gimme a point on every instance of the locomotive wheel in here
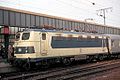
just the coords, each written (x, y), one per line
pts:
(45, 65)
(66, 61)
(15, 63)
(27, 66)
(90, 59)
(100, 57)
(109, 56)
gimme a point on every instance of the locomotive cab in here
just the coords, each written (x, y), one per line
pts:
(24, 45)
(29, 47)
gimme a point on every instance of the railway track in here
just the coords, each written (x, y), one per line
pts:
(71, 72)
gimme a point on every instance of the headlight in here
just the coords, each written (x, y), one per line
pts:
(24, 50)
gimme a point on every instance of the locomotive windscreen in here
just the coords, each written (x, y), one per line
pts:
(74, 42)
(25, 36)
(17, 37)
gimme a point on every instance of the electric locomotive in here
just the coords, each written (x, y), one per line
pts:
(42, 47)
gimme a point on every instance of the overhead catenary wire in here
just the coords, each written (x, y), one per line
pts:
(96, 5)
(34, 7)
(95, 13)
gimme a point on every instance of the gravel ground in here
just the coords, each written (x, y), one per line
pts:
(110, 75)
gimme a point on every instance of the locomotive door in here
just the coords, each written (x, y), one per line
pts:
(104, 44)
(108, 45)
(43, 44)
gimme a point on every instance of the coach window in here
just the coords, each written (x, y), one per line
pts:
(43, 36)
(119, 43)
(112, 43)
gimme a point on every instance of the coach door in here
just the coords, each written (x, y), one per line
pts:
(43, 44)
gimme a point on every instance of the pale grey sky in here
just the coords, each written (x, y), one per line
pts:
(73, 9)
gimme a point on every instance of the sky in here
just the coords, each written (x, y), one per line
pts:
(72, 9)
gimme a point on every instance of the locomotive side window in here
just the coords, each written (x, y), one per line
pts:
(104, 43)
(25, 36)
(17, 37)
(43, 36)
(74, 42)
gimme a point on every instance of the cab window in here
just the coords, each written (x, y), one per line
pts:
(43, 36)
(25, 36)
(17, 37)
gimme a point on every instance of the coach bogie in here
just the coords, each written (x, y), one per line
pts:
(119, 56)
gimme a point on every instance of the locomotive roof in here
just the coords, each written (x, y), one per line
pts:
(74, 32)
(63, 31)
